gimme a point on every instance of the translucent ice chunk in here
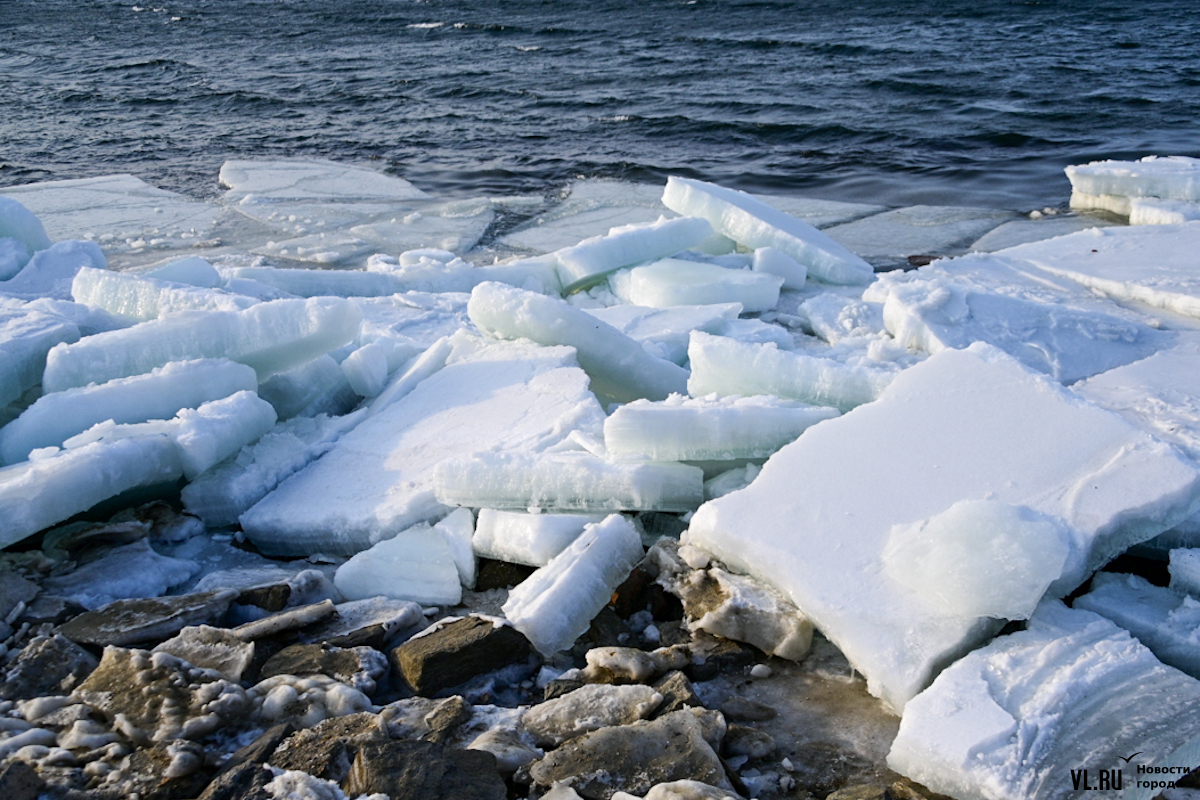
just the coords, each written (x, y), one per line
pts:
(666, 330)
(566, 481)
(416, 564)
(584, 263)
(458, 529)
(159, 394)
(1168, 177)
(530, 539)
(26, 336)
(674, 282)
(270, 337)
(367, 368)
(963, 425)
(1025, 716)
(773, 262)
(751, 222)
(707, 429)
(312, 179)
(918, 230)
(1185, 570)
(728, 367)
(216, 430)
(620, 368)
(1151, 211)
(146, 298)
(318, 387)
(554, 605)
(18, 222)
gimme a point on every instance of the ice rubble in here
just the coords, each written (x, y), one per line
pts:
(676, 282)
(1118, 186)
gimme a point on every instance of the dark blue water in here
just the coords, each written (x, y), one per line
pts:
(961, 101)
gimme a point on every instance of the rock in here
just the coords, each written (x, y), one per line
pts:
(421, 719)
(608, 630)
(633, 758)
(19, 781)
(359, 667)
(741, 740)
(633, 595)
(511, 751)
(155, 697)
(458, 651)
(865, 791)
(677, 691)
(712, 655)
(258, 751)
(290, 620)
(50, 608)
(244, 782)
(47, 665)
(499, 575)
(15, 591)
(328, 749)
(165, 771)
(560, 686)
(688, 790)
(211, 648)
(365, 623)
(588, 709)
(628, 664)
(406, 770)
(742, 709)
(127, 622)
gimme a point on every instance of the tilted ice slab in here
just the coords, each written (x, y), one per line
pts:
(964, 425)
(1025, 716)
(26, 336)
(675, 282)
(318, 387)
(751, 222)
(158, 394)
(665, 331)
(213, 432)
(917, 230)
(707, 429)
(270, 337)
(583, 264)
(566, 481)
(620, 367)
(145, 298)
(523, 538)
(222, 494)
(1166, 622)
(416, 564)
(1155, 265)
(555, 604)
(593, 208)
(728, 367)
(36, 494)
(1168, 177)
(378, 478)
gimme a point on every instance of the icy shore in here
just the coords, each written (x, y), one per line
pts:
(606, 497)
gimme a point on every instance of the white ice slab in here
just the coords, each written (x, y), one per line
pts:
(773, 262)
(1185, 570)
(554, 605)
(1162, 620)
(523, 538)
(1152, 211)
(270, 337)
(1168, 177)
(620, 367)
(566, 481)
(963, 425)
(36, 494)
(378, 479)
(26, 336)
(918, 230)
(159, 394)
(665, 331)
(50, 272)
(213, 432)
(728, 367)
(145, 298)
(583, 264)
(458, 530)
(675, 282)
(1025, 716)
(751, 222)
(416, 564)
(367, 369)
(707, 429)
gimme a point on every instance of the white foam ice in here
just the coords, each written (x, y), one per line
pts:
(676, 282)
(664, 332)
(585, 263)
(1168, 177)
(963, 425)
(1050, 712)
(523, 538)
(555, 604)
(707, 428)
(270, 337)
(145, 298)
(753, 223)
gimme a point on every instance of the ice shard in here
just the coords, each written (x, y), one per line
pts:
(144, 298)
(523, 538)
(583, 264)
(676, 282)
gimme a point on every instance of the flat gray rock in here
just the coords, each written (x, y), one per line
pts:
(149, 620)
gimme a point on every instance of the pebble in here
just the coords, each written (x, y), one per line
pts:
(760, 671)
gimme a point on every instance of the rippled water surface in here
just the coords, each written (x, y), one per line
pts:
(899, 101)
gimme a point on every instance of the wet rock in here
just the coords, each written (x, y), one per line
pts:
(406, 770)
(149, 620)
(688, 790)
(587, 709)
(211, 648)
(633, 594)
(50, 609)
(674, 632)
(742, 709)
(284, 621)
(426, 720)
(633, 758)
(865, 791)
(19, 781)
(328, 749)
(712, 656)
(365, 623)
(47, 665)
(76, 541)
(821, 767)
(258, 751)
(560, 686)
(608, 630)
(359, 667)
(165, 771)
(155, 697)
(458, 651)
(628, 664)
(15, 595)
(677, 691)
(244, 782)
(741, 740)
(510, 749)
(499, 575)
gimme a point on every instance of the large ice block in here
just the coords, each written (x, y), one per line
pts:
(1164, 621)
(728, 367)
(18, 222)
(751, 222)
(158, 394)
(36, 494)
(270, 337)
(50, 272)
(216, 430)
(708, 428)
(566, 481)
(416, 564)
(1072, 704)
(378, 479)
(586, 262)
(555, 604)
(523, 538)
(1168, 177)
(145, 298)
(620, 368)
(676, 282)
(665, 331)
(26, 336)
(969, 424)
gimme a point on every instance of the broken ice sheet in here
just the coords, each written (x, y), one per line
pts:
(1168, 177)
(26, 336)
(586, 263)
(1024, 716)
(416, 564)
(675, 282)
(144, 298)
(917, 230)
(963, 425)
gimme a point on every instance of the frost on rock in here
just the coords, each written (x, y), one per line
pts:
(707, 429)
(522, 538)
(555, 604)
(379, 478)
(963, 425)
(751, 222)
(211, 648)
(1074, 691)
